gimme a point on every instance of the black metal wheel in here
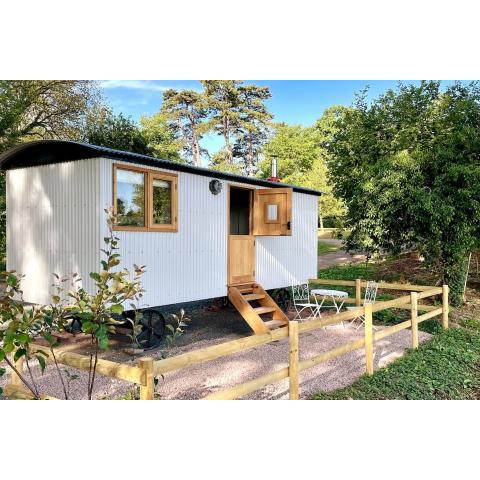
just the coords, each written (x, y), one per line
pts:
(153, 329)
(282, 298)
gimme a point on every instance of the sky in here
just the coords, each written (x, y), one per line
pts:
(293, 101)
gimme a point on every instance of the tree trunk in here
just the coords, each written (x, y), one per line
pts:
(454, 275)
(249, 160)
(320, 219)
(195, 149)
(226, 136)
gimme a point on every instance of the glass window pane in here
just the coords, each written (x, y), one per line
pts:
(130, 198)
(272, 212)
(162, 202)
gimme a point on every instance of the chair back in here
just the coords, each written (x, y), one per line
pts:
(300, 293)
(370, 292)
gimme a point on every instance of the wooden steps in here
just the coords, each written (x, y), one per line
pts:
(253, 296)
(242, 294)
(261, 310)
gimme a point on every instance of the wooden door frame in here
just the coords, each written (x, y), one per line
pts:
(250, 224)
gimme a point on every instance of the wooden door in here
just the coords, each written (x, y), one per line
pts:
(241, 259)
(272, 211)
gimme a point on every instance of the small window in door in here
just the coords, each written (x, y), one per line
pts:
(272, 213)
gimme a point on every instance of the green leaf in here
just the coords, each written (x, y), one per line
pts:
(49, 338)
(95, 276)
(103, 342)
(42, 362)
(1, 391)
(19, 354)
(2, 355)
(2, 372)
(118, 309)
(88, 327)
(11, 280)
(22, 337)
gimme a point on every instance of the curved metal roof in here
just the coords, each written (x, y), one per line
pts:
(46, 152)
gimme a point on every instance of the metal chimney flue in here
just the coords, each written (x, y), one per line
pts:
(273, 175)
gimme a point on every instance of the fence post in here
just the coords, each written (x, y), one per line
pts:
(369, 338)
(414, 314)
(445, 307)
(358, 292)
(293, 359)
(147, 385)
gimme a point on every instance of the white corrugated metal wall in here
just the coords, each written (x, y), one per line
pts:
(182, 266)
(283, 261)
(53, 224)
(56, 224)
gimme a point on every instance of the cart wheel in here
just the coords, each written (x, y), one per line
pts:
(153, 329)
(282, 298)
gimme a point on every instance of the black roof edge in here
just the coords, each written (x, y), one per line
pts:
(46, 152)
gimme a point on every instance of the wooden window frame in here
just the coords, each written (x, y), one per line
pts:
(149, 176)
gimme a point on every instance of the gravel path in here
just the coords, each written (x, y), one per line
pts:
(340, 257)
(198, 381)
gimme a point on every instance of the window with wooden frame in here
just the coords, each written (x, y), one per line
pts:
(145, 200)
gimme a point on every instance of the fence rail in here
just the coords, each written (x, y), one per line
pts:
(146, 370)
(294, 329)
(142, 374)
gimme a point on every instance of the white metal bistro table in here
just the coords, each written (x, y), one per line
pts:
(330, 294)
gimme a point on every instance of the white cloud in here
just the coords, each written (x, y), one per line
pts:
(134, 84)
(138, 85)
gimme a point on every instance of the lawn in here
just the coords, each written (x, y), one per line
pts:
(324, 247)
(446, 367)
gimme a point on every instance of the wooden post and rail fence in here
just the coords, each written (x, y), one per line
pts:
(144, 373)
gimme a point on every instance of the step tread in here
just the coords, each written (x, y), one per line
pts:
(271, 324)
(260, 310)
(253, 296)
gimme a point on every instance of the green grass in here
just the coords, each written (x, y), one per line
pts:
(445, 367)
(324, 247)
(350, 272)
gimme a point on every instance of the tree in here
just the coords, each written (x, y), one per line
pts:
(223, 99)
(105, 129)
(301, 160)
(221, 162)
(254, 125)
(160, 137)
(37, 109)
(407, 167)
(185, 112)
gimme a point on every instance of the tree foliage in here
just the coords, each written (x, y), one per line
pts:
(301, 160)
(407, 167)
(105, 129)
(38, 109)
(223, 101)
(185, 112)
(160, 138)
(254, 125)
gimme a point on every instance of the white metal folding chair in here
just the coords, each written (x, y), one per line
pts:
(301, 301)
(370, 297)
